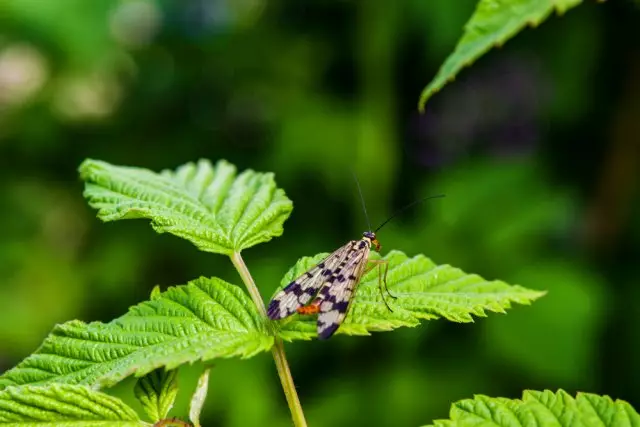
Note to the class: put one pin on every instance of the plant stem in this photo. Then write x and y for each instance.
(278, 348)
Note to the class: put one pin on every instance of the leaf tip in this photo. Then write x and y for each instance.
(85, 167)
(424, 96)
(155, 292)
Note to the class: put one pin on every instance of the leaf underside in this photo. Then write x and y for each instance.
(198, 398)
(423, 289)
(63, 405)
(541, 409)
(492, 24)
(157, 392)
(211, 206)
(205, 319)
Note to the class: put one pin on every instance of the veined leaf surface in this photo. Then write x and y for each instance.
(205, 319)
(211, 206)
(423, 289)
(542, 409)
(63, 405)
(157, 392)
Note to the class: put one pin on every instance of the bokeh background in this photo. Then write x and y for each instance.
(536, 147)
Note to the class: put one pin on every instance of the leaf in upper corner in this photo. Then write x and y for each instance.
(198, 398)
(424, 290)
(492, 24)
(157, 392)
(205, 319)
(541, 409)
(63, 405)
(211, 206)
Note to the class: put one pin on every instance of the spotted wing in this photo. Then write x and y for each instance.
(299, 292)
(335, 297)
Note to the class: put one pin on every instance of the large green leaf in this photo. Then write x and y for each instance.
(205, 319)
(492, 24)
(210, 206)
(63, 405)
(424, 290)
(157, 392)
(542, 409)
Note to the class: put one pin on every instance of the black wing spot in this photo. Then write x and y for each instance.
(274, 309)
(296, 289)
(341, 306)
(328, 331)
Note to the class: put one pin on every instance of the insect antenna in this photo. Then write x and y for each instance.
(364, 206)
(398, 212)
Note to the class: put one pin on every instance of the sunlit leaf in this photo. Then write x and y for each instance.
(63, 405)
(205, 319)
(424, 290)
(541, 409)
(492, 24)
(211, 206)
(157, 392)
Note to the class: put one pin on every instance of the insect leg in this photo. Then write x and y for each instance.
(386, 271)
(382, 278)
(379, 263)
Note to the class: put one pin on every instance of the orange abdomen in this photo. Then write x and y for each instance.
(313, 308)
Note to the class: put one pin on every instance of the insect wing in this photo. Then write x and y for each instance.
(336, 296)
(299, 292)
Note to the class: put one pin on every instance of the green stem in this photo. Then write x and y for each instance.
(278, 348)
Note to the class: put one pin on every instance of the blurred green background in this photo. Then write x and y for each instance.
(536, 147)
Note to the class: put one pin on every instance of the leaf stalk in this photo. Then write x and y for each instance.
(279, 356)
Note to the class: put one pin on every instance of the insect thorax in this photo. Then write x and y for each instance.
(371, 239)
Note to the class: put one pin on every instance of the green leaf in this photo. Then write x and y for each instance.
(210, 206)
(541, 409)
(63, 405)
(197, 401)
(157, 392)
(492, 24)
(205, 319)
(424, 290)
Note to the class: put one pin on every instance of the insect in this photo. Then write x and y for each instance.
(333, 282)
